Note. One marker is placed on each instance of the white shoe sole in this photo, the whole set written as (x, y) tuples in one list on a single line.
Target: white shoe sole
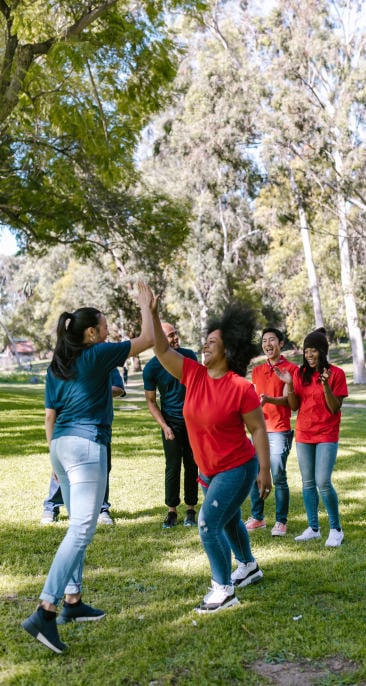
[(207, 611), (253, 579)]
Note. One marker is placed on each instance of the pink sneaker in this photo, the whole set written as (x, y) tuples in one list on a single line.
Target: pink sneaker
[(279, 529), (252, 524)]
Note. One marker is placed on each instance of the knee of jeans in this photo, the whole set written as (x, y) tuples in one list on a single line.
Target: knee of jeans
[(82, 533), (279, 478), (324, 486), (308, 484)]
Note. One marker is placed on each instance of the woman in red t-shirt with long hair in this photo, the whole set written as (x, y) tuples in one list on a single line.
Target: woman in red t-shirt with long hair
[(219, 404), (317, 390)]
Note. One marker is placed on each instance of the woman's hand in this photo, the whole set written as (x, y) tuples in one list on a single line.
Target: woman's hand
[(264, 483), (285, 375), (145, 294)]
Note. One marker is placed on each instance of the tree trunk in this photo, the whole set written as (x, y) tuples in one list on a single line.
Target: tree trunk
[(305, 236), (354, 331)]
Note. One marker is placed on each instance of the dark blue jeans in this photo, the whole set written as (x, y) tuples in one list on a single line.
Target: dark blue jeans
[(221, 527), (280, 443), (54, 499)]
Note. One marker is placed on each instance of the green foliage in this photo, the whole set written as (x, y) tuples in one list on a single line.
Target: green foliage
[(70, 134), (148, 580)]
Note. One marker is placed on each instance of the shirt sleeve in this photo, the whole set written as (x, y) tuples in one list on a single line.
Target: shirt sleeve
[(49, 404), (116, 378), (250, 400), (148, 377), (338, 383)]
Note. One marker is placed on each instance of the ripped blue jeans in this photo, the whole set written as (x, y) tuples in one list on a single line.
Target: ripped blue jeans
[(220, 525)]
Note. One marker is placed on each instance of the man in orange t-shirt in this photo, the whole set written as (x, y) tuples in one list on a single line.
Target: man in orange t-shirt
[(277, 415)]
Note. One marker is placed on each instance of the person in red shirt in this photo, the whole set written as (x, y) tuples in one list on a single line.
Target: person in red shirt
[(219, 404), (277, 414), (317, 390)]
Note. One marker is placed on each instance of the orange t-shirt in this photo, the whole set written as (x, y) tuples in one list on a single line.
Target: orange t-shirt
[(266, 381), (213, 410), (315, 422)]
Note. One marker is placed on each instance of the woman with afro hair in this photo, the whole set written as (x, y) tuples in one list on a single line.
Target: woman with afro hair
[(316, 390), (219, 405)]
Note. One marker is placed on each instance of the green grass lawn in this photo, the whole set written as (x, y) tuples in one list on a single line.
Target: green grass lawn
[(303, 624)]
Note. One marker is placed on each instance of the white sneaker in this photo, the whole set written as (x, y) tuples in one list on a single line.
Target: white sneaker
[(218, 598), (105, 518), (335, 538), (308, 534), (246, 574)]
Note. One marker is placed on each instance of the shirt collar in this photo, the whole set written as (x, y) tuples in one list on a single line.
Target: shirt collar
[(280, 360)]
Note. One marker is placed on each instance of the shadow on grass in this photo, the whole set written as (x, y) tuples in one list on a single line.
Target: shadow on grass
[(149, 580)]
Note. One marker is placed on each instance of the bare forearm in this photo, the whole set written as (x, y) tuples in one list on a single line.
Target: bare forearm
[(280, 400), (292, 398), (260, 442), (156, 414), (161, 344), (333, 402)]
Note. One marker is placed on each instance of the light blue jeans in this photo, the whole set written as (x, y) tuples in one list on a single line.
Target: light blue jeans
[(81, 468), (316, 462), (220, 524), (279, 445)]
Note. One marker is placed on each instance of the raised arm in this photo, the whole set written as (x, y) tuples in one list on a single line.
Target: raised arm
[(171, 360), (146, 338)]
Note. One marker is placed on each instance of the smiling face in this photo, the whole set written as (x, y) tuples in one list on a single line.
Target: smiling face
[(312, 357), (213, 350), (171, 334), (101, 331), (272, 346)]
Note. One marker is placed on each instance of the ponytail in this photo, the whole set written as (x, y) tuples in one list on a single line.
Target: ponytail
[(70, 339)]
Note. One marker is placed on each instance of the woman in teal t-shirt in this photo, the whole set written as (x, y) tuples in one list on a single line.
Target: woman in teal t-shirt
[(78, 428)]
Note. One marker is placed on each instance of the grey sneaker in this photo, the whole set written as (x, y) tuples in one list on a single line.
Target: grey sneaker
[(42, 626), (48, 517), (218, 598), (105, 518), (246, 574), (79, 612)]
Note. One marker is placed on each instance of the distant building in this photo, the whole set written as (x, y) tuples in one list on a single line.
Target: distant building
[(20, 349)]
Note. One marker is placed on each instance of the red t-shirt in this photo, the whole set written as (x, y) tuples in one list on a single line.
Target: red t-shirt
[(315, 423), (213, 411), (266, 381)]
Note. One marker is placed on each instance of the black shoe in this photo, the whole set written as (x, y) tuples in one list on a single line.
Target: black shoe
[(170, 520), (79, 612), (42, 626), (190, 519)]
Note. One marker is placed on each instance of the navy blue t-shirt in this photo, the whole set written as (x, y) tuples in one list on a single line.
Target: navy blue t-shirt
[(84, 405), (172, 392)]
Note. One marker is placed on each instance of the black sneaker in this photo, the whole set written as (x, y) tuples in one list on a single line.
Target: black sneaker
[(190, 518), (79, 612), (170, 520), (42, 625)]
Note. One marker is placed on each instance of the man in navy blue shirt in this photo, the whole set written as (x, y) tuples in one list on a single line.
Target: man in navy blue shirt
[(176, 445)]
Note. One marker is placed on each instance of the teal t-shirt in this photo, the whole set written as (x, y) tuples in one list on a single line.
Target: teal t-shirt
[(84, 405), (171, 391)]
